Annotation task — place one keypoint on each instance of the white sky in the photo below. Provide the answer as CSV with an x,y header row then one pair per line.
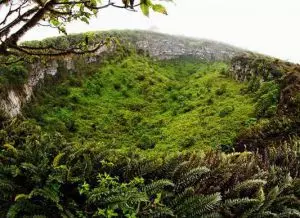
x,y
271,27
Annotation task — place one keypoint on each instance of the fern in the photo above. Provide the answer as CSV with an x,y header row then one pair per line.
x,y
267,214
191,177
239,202
11,148
57,159
270,198
157,186
198,205
290,213
179,198
6,185
248,185
157,211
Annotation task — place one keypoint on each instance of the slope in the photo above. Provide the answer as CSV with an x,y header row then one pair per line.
x,y
146,104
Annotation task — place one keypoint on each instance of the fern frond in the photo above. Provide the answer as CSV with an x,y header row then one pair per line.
x,y
6,185
249,184
198,205
159,211
180,170
29,167
287,200
157,186
270,198
267,214
11,148
124,200
57,159
191,177
21,197
212,215
290,213
182,196
239,202
20,208
48,194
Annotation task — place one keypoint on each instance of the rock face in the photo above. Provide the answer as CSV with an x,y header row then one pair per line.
x,y
163,46
12,104
245,67
157,45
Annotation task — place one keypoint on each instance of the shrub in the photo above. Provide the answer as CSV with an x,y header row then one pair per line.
x,y
117,86
62,90
222,90
267,98
188,142
15,74
146,142
210,101
71,125
226,111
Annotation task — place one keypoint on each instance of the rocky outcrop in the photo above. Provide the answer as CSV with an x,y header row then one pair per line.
x,y
13,101
261,68
162,46
245,67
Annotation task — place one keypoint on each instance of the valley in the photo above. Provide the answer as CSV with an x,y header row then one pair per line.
x,y
151,125
140,103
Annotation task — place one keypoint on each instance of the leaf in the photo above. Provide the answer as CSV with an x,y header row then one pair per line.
x,y
62,29
55,22
21,196
145,9
11,148
160,9
57,159
84,19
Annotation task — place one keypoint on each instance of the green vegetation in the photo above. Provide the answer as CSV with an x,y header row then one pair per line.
x,y
41,175
12,76
139,103
134,137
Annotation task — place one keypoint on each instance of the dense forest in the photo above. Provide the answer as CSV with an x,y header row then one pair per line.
x,y
133,136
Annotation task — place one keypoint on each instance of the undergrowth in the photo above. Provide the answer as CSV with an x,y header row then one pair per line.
x,y
146,104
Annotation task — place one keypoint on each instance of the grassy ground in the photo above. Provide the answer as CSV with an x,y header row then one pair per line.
x,y
139,103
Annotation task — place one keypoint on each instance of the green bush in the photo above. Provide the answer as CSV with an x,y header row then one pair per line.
x,y
188,142
267,98
13,75
226,111
222,90
146,142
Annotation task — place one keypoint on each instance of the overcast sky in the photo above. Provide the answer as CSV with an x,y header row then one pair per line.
x,y
267,26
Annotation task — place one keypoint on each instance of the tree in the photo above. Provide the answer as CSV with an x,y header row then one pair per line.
x,y
22,15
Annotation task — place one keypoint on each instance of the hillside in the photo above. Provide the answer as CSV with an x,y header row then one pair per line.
x,y
151,126
155,45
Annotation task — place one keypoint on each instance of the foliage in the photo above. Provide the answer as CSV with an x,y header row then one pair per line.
x,y
12,76
135,137
135,102
42,175
267,98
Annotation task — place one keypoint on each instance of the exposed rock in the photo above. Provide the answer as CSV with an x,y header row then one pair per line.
x,y
163,46
246,67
